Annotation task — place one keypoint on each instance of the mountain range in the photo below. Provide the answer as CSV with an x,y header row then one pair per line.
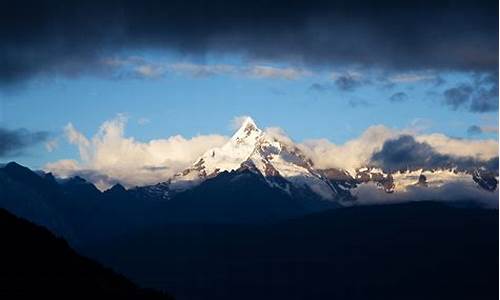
x,y
284,166
256,177
265,166
255,219
235,237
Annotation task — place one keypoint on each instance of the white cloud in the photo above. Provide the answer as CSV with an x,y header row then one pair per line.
x,y
252,71
64,167
449,192
141,68
76,138
411,77
237,121
149,71
358,152
350,155
275,72
199,70
480,149
135,66
279,134
489,129
123,159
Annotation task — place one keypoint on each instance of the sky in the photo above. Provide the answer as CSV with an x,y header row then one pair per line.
x,y
73,73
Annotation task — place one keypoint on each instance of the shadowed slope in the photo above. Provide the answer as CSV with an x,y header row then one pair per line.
x,y
407,251
35,263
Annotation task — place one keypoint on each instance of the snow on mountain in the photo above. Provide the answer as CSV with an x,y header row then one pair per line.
x,y
428,178
226,158
377,176
283,165
252,148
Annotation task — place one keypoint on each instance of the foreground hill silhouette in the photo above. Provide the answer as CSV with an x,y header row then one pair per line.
x,y
36,264
423,250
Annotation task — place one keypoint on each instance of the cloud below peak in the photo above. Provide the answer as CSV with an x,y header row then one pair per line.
x,y
109,156
112,157
362,151
406,153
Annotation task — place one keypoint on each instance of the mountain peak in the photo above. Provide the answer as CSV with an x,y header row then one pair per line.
x,y
117,188
281,165
247,128
247,120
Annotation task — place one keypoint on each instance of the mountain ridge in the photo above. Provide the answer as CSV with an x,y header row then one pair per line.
x,y
252,148
283,164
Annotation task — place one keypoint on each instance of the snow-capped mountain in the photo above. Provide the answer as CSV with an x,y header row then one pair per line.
x,y
401,181
281,163
285,167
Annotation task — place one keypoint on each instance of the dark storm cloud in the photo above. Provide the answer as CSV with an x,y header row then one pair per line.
x,y
398,97
478,96
14,141
405,153
73,37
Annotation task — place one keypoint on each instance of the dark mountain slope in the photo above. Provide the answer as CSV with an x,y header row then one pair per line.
x,y
78,211
239,197
72,208
36,264
407,251
33,197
